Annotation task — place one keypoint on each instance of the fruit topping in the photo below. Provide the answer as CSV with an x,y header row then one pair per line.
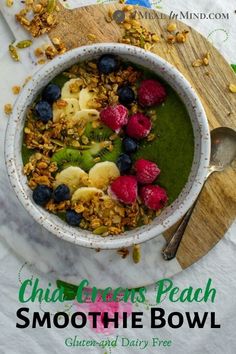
x,y
154,197
115,117
124,163
124,188
43,111
107,63
66,109
51,93
129,145
61,193
146,171
126,95
86,97
73,218
74,177
42,194
85,194
71,89
103,173
151,92
138,126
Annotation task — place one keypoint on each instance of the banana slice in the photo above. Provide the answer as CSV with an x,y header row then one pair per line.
x,y
71,89
102,174
85,115
85,194
85,98
74,177
66,110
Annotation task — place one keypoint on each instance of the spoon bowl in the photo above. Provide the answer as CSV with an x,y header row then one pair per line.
x,y
223,148
223,152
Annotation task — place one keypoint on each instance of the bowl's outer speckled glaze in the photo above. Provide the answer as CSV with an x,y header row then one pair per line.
x,y
172,213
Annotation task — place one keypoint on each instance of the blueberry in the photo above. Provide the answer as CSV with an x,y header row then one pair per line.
x,y
73,218
51,93
61,193
124,163
126,95
42,194
43,111
107,63
129,145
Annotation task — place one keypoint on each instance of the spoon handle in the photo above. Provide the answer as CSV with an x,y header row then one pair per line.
x,y
170,250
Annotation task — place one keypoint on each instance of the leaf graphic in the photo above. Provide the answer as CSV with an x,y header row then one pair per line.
x,y
233,67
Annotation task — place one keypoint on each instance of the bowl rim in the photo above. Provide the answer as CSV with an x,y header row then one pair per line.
x,y
72,234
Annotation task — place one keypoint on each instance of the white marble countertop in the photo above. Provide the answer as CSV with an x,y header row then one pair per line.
x,y
55,259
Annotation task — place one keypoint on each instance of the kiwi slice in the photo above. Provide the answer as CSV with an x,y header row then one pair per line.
x,y
60,80
99,137
85,157
26,153
67,156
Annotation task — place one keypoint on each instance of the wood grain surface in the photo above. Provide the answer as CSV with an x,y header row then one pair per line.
x,y
216,208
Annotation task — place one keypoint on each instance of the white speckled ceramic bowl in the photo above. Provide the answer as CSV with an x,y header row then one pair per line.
x,y
172,213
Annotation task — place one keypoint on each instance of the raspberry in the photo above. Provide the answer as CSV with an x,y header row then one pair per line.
x,y
138,126
124,188
115,117
146,171
151,92
154,197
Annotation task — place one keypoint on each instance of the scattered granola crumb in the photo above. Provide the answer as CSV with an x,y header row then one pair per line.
x,y
123,252
41,61
56,41
8,108
128,8
50,52
181,37
38,18
37,8
16,90
38,52
232,88
196,63
171,39
171,27
9,3
134,33
202,61
91,37
155,38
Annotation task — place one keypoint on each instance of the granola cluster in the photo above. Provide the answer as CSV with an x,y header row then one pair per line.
x,y
38,17
102,215
52,136
105,86
40,170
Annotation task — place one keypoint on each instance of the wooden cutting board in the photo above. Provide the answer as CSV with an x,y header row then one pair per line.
x,y
216,208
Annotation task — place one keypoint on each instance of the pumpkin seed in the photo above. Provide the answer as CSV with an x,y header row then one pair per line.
x,y
100,230
51,5
24,44
136,253
13,53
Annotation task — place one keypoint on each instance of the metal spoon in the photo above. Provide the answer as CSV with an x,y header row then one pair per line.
x,y
223,152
